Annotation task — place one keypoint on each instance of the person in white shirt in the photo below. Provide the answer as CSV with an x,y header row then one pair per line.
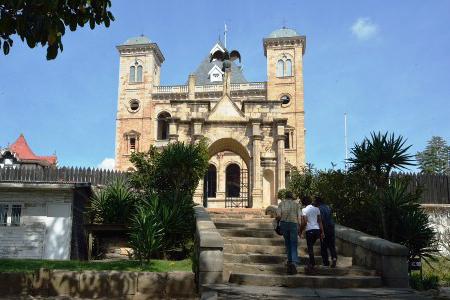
x,y
311,223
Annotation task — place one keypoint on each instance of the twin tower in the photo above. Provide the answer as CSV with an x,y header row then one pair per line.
x,y
255,130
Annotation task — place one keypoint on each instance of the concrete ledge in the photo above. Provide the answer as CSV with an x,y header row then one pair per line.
x,y
208,250
390,260
100,284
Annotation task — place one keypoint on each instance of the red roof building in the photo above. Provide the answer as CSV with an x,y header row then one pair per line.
x,y
20,153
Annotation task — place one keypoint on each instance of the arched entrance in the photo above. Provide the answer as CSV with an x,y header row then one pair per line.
x,y
231,160
210,184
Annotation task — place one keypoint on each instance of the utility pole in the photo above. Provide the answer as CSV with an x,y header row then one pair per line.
x,y
345,140
225,35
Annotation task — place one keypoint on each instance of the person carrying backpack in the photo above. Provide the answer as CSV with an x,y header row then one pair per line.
x,y
328,242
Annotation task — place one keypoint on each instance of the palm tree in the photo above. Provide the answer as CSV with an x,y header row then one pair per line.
x,y
377,156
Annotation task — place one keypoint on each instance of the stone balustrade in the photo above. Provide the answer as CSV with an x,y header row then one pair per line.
x,y
208,250
390,260
209,88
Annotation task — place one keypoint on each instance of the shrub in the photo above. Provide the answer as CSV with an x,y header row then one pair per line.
x,y
146,231
113,204
426,283
302,182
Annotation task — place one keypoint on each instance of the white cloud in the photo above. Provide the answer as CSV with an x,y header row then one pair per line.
x,y
107,163
364,29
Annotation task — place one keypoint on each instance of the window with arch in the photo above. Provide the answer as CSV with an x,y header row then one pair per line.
x,y
136,72
284,67
233,180
163,126
132,141
280,68
210,181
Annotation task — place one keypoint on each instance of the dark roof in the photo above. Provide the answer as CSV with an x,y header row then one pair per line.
x,y
201,74
138,40
283,32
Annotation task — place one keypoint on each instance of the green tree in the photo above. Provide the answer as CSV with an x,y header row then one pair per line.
x,y
302,182
435,159
44,22
377,156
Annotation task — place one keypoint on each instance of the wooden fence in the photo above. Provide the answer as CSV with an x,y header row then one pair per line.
x,y
60,175
436,188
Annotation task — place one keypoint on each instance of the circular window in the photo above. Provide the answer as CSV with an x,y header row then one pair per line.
x,y
134,105
285,99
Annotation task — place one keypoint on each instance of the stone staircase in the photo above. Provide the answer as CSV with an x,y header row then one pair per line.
x,y
254,255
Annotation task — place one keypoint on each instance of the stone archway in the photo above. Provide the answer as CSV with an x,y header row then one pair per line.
x,y
227,154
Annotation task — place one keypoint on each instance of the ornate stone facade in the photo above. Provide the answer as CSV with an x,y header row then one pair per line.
x,y
255,130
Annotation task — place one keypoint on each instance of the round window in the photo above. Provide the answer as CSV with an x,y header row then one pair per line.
x,y
134,105
285,99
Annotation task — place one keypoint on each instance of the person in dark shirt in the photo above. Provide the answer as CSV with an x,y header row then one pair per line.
x,y
328,242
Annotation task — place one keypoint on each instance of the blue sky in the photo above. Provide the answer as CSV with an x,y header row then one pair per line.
x,y
385,63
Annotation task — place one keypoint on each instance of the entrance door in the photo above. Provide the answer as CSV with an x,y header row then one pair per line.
x,y
58,231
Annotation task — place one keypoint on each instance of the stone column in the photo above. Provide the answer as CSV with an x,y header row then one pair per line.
x,y
173,130
227,83
197,129
191,87
255,174
280,156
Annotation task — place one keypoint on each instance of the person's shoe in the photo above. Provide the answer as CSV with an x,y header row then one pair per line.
x,y
326,264
333,263
310,270
291,269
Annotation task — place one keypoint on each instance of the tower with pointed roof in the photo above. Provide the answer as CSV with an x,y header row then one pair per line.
x,y
255,130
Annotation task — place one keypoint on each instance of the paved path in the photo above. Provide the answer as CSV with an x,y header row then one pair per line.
x,y
230,291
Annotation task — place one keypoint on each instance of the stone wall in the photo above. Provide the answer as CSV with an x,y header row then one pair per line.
x,y
390,260
100,284
439,217
208,250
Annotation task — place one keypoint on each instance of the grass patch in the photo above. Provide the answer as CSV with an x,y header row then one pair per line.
x,y
440,268
29,265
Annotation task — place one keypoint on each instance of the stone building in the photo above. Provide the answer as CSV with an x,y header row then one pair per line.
x,y
255,130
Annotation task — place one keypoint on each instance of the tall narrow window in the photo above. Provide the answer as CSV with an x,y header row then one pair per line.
x,y
280,68
288,68
3,214
139,74
163,126
132,74
211,181
132,144
233,180
16,212
287,143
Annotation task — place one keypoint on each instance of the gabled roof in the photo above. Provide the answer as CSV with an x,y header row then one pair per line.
x,y
202,72
23,152
226,110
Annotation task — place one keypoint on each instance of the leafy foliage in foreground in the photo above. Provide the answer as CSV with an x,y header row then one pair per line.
x,y
44,22
114,204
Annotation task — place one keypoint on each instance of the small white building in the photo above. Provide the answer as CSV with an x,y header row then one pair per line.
x,y
43,220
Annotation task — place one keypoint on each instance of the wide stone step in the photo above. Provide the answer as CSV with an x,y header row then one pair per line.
x,y
275,241
264,259
301,280
257,233
343,268
243,225
264,249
